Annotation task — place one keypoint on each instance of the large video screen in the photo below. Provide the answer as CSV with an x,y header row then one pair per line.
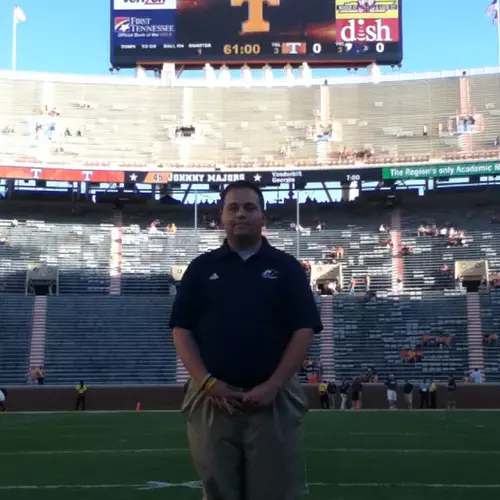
x,y
256,32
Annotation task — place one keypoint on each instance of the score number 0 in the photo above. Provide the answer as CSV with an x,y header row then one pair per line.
x,y
317,48
379,47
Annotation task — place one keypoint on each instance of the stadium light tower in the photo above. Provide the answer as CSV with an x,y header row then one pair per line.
x,y
19,17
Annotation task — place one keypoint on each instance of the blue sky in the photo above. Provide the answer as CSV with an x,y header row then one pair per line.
x,y
72,36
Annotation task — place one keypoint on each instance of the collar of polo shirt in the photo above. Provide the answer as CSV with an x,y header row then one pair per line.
x,y
265,248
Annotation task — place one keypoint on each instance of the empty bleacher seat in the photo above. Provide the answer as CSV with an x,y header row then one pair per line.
x,y
109,340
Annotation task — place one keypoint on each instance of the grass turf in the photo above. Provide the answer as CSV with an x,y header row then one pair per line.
x,y
355,455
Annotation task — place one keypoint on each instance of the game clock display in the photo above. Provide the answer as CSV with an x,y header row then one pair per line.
x,y
256,32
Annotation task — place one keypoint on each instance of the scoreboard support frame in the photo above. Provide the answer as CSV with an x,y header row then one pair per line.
x,y
170,72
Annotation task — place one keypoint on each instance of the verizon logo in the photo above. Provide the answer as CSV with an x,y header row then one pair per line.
x,y
368,30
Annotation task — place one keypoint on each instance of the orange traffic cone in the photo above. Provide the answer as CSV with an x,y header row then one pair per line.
x,y
138,407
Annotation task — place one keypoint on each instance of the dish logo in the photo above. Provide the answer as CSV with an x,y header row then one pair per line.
x,y
144,4
368,30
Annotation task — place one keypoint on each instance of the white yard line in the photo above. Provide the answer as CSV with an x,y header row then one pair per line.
x,y
185,450
417,485
67,486
93,452
402,411
155,485
403,434
408,451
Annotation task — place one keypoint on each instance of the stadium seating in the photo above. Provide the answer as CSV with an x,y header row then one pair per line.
x,y
484,99
378,334
15,334
482,240
125,340
78,246
251,124
390,116
120,119
110,335
82,245
490,317
109,340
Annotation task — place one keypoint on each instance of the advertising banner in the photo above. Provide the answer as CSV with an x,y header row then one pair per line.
x,y
367,9
261,178
144,4
156,26
235,32
433,171
61,174
368,30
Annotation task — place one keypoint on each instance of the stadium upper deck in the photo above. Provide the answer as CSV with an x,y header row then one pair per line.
x,y
450,115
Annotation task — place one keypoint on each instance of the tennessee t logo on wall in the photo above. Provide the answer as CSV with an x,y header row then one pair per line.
x,y
255,22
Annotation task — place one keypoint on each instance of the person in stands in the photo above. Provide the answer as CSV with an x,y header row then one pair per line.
x,y
433,395
40,375
332,390
344,394
408,394
476,376
324,400
356,390
392,394
81,391
452,393
424,394
3,398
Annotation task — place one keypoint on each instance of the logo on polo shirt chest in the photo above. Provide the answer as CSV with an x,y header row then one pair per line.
x,y
270,274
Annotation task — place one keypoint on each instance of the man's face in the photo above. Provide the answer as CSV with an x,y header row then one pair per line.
x,y
242,216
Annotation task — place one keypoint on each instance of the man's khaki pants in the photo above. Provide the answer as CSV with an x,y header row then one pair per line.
x,y
255,454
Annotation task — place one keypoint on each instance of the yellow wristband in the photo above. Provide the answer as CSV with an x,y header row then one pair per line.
x,y
205,380
209,384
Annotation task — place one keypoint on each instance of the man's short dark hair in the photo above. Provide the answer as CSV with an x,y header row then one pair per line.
x,y
243,185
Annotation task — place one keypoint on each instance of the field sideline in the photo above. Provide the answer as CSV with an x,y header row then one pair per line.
x,y
377,455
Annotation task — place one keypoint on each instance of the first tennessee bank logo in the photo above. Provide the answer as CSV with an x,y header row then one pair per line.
x,y
130,26
255,22
122,24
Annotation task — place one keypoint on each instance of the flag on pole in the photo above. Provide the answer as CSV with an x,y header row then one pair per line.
x,y
20,17
492,10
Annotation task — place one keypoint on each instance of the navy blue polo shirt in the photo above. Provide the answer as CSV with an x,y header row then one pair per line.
x,y
243,313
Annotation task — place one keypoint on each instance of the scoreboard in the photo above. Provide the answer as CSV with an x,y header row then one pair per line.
x,y
255,32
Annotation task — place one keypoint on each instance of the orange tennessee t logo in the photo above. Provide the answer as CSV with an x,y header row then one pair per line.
x,y
255,22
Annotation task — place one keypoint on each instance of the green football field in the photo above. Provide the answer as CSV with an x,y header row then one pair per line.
x,y
351,456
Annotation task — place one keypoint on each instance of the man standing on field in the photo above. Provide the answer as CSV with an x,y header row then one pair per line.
x,y
243,321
